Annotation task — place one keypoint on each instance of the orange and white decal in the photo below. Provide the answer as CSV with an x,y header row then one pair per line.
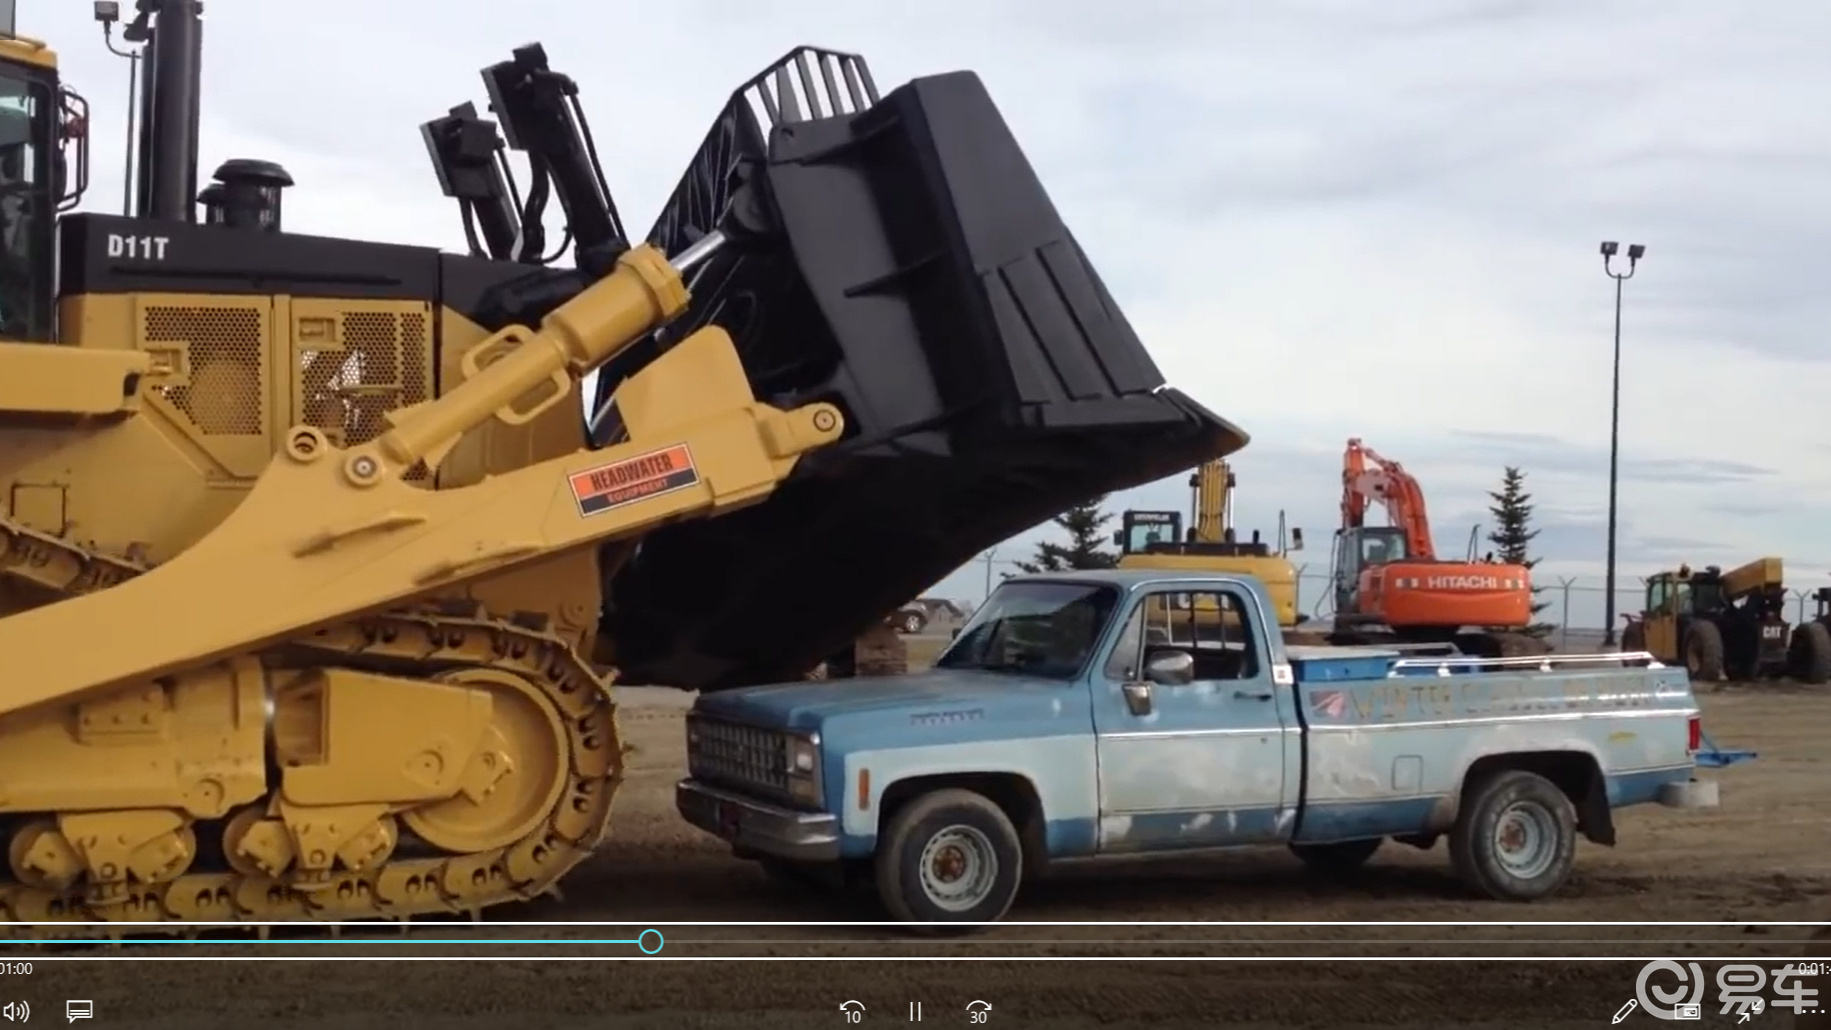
x,y
601,489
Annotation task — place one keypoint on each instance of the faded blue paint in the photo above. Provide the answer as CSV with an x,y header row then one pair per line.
x,y
1642,787
1307,745
1149,832
1359,820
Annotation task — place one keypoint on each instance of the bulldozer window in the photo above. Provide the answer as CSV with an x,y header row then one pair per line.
x,y
27,206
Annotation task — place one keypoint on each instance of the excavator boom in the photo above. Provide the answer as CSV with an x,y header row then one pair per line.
x,y
1367,477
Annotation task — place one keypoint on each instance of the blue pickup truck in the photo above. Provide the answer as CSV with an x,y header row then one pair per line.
x,y
1137,712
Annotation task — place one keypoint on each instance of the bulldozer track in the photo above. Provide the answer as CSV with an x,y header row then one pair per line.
x,y
434,641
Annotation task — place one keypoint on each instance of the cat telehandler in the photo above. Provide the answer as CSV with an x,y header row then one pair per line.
x,y
1724,624
315,573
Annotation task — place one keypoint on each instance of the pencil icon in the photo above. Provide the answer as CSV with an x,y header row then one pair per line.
x,y
1622,1013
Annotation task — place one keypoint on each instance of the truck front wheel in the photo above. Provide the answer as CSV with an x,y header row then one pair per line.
x,y
951,856
1516,837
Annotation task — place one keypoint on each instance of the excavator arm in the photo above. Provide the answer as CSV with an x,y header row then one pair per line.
x,y
1213,485
1366,477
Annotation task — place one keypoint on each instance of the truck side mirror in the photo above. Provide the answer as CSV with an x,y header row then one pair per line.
x,y
1296,539
955,635
1118,538
1173,669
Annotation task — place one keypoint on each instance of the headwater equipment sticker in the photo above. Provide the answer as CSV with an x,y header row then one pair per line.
x,y
605,487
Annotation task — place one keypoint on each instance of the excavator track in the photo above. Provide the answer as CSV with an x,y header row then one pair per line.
x,y
448,642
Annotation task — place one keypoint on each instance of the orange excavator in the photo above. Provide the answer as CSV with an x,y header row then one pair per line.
x,y
1390,587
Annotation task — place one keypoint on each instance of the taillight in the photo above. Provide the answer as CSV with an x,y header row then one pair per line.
x,y
1694,733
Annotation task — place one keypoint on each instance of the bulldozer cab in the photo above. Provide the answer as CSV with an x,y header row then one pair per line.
x,y
28,198
44,169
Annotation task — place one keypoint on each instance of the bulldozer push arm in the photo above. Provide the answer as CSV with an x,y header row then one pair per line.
x,y
326,533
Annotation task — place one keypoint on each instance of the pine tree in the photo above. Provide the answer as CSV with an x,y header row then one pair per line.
x,y
1085,525
1513,532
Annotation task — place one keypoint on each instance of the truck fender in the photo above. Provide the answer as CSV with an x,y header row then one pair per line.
x,y
1576,771
1012,791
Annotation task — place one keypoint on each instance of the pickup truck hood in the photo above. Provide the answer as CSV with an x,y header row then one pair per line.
x,y
947,695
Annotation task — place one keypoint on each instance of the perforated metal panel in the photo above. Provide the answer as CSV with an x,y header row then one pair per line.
x,y
220,382
355,362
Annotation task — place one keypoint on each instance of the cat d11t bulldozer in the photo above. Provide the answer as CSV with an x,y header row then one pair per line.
x,y
315,574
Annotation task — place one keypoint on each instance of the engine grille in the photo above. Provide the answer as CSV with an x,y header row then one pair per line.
x,y
742,757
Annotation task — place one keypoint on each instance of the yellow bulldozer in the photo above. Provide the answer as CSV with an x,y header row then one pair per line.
x,y
1726,625
317,565
1155,540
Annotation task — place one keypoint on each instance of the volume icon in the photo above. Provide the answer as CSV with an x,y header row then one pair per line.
x,y
16,1011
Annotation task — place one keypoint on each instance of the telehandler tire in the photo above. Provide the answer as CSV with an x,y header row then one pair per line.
x,y
1337,856
1516,836
1704,652
949,856
1634,637
1810,657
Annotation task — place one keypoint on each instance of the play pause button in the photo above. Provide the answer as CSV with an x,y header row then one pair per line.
x,y
915,1012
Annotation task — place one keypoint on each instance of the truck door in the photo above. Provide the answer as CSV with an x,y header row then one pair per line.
x,y
1211,762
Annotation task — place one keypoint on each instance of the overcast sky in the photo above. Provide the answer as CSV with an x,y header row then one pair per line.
x,y
1326,219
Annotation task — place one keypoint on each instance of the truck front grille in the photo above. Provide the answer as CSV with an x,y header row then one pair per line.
x,y
742,757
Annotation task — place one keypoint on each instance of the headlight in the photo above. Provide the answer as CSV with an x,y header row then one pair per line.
x,y
803,756
804,768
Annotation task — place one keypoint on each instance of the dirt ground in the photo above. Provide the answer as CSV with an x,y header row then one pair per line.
x,y
1762,856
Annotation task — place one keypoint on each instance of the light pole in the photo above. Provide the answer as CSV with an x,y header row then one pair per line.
x,y
987,557
1635,252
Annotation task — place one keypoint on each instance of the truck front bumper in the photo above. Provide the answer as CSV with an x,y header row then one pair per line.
x,y
753,825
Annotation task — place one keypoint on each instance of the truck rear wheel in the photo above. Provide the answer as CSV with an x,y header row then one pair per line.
x,y
1516,837
1337,856
1810,660
951,856
1704,651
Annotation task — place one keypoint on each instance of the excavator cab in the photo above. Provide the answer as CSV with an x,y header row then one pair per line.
x,y
1359,549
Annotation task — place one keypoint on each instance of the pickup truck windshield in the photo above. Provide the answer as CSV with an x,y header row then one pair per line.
x,y
1034,629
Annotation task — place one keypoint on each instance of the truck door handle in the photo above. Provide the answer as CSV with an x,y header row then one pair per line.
x,y
1253,695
